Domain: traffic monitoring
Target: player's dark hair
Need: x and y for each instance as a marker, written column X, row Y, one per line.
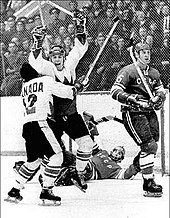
column 27, row 72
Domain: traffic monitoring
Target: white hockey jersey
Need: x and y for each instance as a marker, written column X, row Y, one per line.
column 37, row 97
column 45, row 67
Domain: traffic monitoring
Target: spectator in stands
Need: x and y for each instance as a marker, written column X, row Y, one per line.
column 10, row 28
column 154, row 31
column 113, row 41
column 3, row 63
column 165, row 63
column 21, row 31
column 55, row 21
column 97, row 80
column 106, row 23
column 68, row 44
column 141, row 22
column 11, row 84
column 23, row 19
column 156, row 10
column 73, row 6
column 37, row 20
column 58, row 40
column 165, row 21
column 30, row 24
column 62, row 32
column 3, row 12
column 119, row 58
column 26, row 49
column 145, row 7
column 119, row 7
column 17, row 41
column 71, row 30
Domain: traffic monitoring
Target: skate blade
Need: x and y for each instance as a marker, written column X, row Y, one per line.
column 13, row 200
column 149, row 194
column 77, row 185
column 49, row 203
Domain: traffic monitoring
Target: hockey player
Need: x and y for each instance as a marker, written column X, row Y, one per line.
column 37, row 96
column 62, row 69
column 138, row 112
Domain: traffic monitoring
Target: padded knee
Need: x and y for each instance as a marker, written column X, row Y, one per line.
column 85, row 143
column 150, row 147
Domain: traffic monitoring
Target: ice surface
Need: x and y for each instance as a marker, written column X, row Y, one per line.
column 103, row 199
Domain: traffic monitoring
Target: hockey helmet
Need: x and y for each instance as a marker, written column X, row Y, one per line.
column 118, row 153
column 27, row 72
column 142, row 46
column 57, row 50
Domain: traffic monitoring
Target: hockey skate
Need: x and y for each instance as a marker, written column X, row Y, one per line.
column 79, row 182
column 14, row 196
column 49, row 199
column 151, row 189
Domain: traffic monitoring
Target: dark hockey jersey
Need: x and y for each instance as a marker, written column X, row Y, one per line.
column 130, row 82
column 106, row 167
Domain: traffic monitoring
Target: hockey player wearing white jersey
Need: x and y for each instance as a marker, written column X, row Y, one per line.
column 39, row 138
column 62, row 69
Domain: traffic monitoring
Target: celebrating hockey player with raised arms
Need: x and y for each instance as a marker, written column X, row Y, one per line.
column 138, row 111
column 39, row 138
column 62, row 69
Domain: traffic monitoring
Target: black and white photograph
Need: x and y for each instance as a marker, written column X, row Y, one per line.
column 84, row 95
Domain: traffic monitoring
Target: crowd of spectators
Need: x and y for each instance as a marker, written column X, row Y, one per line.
column 148, row 20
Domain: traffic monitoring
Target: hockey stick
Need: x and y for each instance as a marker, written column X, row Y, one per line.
column 90, row 118
column 106, row 119
column 60, row 8
column 138, row 69
column 86, row 79
column 43, row 24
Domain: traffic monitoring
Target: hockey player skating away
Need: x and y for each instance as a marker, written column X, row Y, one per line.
column 62, row 69
column 39, row 138
column 138, row 112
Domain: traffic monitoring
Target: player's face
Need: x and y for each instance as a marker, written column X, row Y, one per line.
column 145, row 56
column 58, row 60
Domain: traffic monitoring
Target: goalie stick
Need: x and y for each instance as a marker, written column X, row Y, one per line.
column 86, row 79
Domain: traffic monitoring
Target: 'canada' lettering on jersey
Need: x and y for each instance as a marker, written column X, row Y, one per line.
column 37, row 97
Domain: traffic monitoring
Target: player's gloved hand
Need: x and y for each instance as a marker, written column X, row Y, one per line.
column 158, row 101
column 79, row 86
column 80, row 22
column 38, row 35
column 136, row 100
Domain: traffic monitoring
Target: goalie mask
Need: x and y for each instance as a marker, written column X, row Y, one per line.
column 117, row 154
column 57, row 56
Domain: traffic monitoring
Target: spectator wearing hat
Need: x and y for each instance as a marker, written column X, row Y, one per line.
column 55, row 21
column 37, row 20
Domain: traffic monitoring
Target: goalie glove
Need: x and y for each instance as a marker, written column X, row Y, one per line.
column 80, row 22
column 38, row 35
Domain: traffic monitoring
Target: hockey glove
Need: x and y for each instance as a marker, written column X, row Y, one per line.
column 80, row 22
column 38, row 35
column 78, row 86
column 158, row 101
column 136, row 101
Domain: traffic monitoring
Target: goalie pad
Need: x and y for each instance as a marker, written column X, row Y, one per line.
column 38, row 35
column 80, row 22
